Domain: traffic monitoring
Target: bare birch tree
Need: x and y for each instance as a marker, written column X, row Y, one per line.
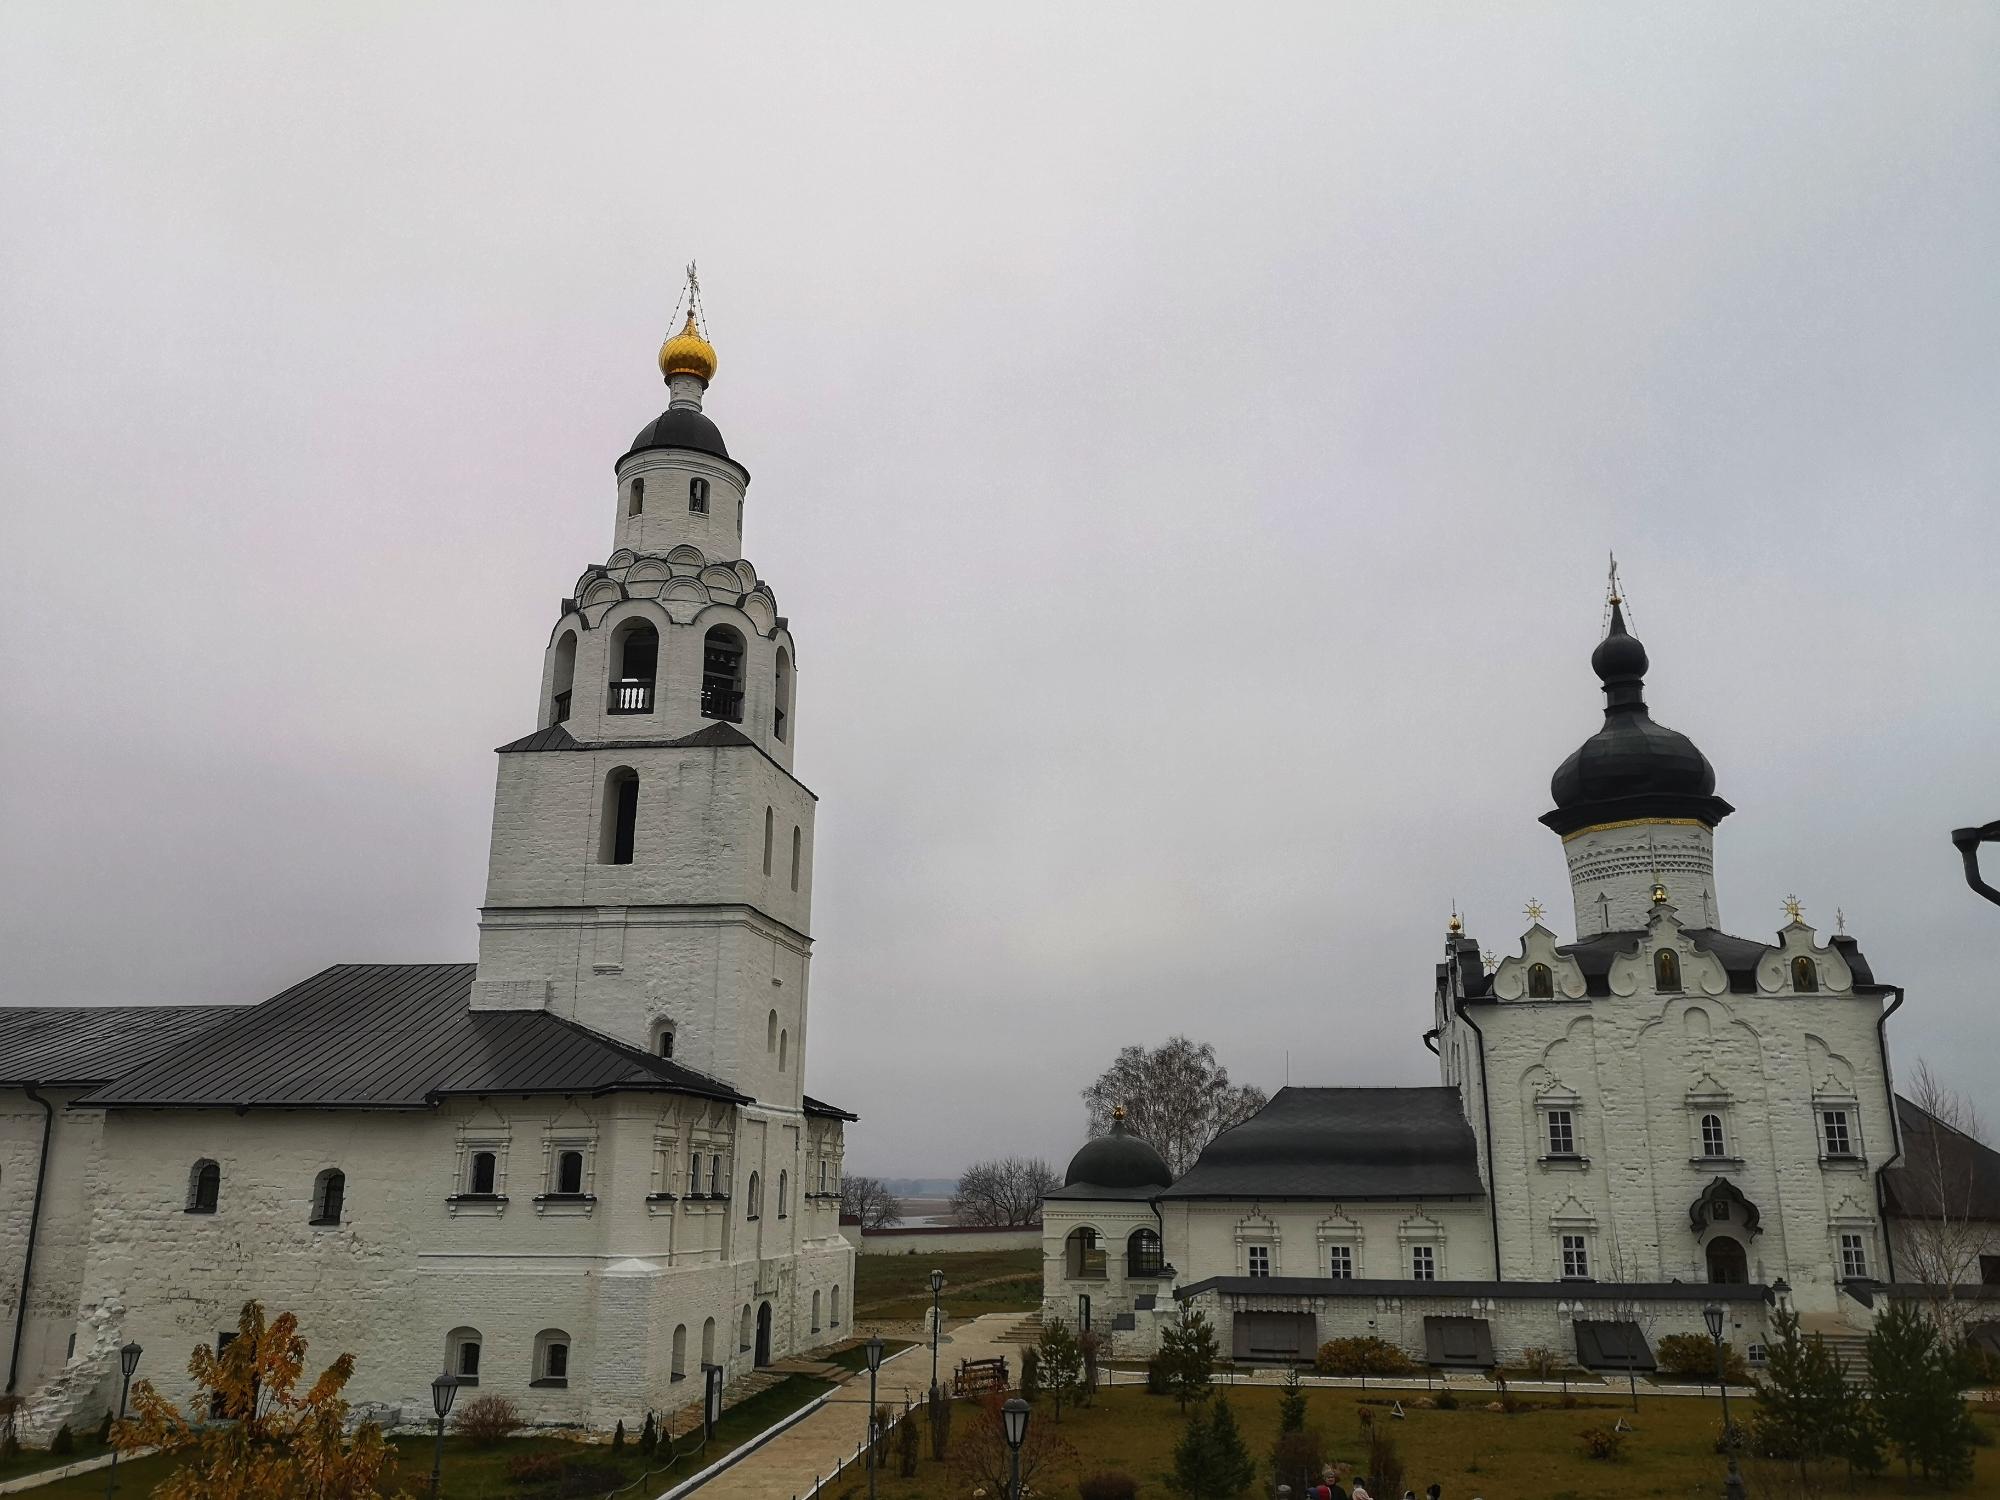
column 1177, row 1098
column 1942, row 1195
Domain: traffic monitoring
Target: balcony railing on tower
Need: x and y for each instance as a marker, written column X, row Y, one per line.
column 559, row 707
column 720, row 700
column 631, row 695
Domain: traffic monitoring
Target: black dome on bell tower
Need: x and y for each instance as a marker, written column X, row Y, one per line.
column 1632, row 767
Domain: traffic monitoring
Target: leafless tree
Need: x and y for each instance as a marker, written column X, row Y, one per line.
column 1006, row 1191
column 1176, row 1097
column 869, row 1200
column 1941, row 1193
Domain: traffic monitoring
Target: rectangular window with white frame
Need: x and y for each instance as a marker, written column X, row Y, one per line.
column 1260, row 1260
column 1575, row 1258
column 1340, row 1262
column 1836, row 1132
column 1423, row 1263
column 1562, row 1132
column 1853, row 1256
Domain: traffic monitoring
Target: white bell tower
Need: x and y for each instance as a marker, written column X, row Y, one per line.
column 651, row 868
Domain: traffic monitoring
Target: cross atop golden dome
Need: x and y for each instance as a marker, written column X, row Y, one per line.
column 688, row 352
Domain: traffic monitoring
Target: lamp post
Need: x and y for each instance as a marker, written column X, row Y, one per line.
column 1014, row 1427
column 128, row 1361
column 1967, row 841
column 1732, row 1487
column 937, row 1287
column 874, row 1364
column 443, row 1390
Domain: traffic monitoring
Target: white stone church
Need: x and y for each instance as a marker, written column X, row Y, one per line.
column 575, row 1173
column 1626, row 1127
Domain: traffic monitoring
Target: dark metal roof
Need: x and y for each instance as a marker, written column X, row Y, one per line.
column 826, row 1111
column 557, row 737
column 1117, row 1160
column 389, row 1036
column 87, row 1045
column 1459, row 1343
column 1087, row 1192
column 1612, row 1344
column 681, row 427
column 1342, row 1143
column 1589, row 1291
column 1941, row 1169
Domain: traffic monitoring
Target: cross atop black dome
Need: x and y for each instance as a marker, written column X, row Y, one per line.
column 1632, row 768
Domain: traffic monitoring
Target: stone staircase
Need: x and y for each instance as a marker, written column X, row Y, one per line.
column 1851, row 1349
column 1026, row 1332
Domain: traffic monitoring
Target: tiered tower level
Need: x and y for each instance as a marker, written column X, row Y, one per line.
column 651, row 870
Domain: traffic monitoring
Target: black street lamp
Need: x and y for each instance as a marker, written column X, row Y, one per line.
column 1968, row 841
column 937, row 1287
column 128, row 1361
column 1732, row 1487
column 443, row 1390
column 874, row 1364
column 1014, row 1427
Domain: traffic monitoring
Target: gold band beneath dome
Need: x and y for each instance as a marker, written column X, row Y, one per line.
column 1640, row 823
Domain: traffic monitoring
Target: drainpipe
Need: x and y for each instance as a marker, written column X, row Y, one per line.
column 1895, row 1125
column 1486, row 1114
column 34, row 1225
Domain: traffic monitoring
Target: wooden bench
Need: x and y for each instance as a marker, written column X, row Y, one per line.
column 975, row 1375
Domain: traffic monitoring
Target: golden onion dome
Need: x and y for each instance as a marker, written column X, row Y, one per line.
column 688, row 353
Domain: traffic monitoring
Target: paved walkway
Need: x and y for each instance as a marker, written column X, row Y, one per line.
column 793, row 1461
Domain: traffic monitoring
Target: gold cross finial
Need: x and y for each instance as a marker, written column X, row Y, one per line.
column 1491, row 960
column 1533, row 910
column 1840, row 921
column 1793, row 910
column 1117, row 1111
column 1659, row 894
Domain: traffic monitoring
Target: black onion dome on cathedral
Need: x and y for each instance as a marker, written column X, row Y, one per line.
column 681, row 427
column 1632, row 767
column 1118, row 1164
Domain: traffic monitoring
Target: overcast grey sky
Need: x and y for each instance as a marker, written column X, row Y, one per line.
column 1186, row 443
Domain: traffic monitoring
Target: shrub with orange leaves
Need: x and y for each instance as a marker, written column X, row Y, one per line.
column 254, row 1437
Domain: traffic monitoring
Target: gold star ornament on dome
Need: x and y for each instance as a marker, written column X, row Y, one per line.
column 1533, row 910
column 1793, row 910
column 1491, row 960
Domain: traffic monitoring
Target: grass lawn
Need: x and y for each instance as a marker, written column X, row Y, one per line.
column 1469, row 1451
column 855, row 1355
column 33, row 1459
column 975, row 1282
column 481, row 1473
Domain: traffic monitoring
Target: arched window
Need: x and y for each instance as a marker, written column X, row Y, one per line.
column 1713, row 1142
column 771, row 1032
column 781, row 696
column 784, row 1045
column 698, row 497
column 834, row 1304
column 1805, row 976
column 619, row 826
column 551, row 1358
column 1541, row 982
column 722, row 674
column 755, row 1201
column 746, row 1330
column 461, row 1354
column 784, row 1191
column 329, row 1196
column 679, row 1369
column 815, row 1327
column 798, row 847
column 663, row 1039
column 1081, row 1255
column 1667, row 971
column 770, row 822
column 1144, row 1255
column 565, row 677
column 635, row 662
column 708, row 1342
column 204, row 1187
column 635, row 496
column 483, row 1164
column 569, row 1173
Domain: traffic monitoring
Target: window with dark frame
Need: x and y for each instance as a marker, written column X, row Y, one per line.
column 329, row 1196
column 1260, row 1260
column 483, row 1173
column 1340, row 1262
column 1575, row 1258
column 1423, row 1263
column 204, row 1188
column 637, row 501
column 1834, row 1132
column 698, row 497
column 1853, row 1256
column 1713, row 1142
